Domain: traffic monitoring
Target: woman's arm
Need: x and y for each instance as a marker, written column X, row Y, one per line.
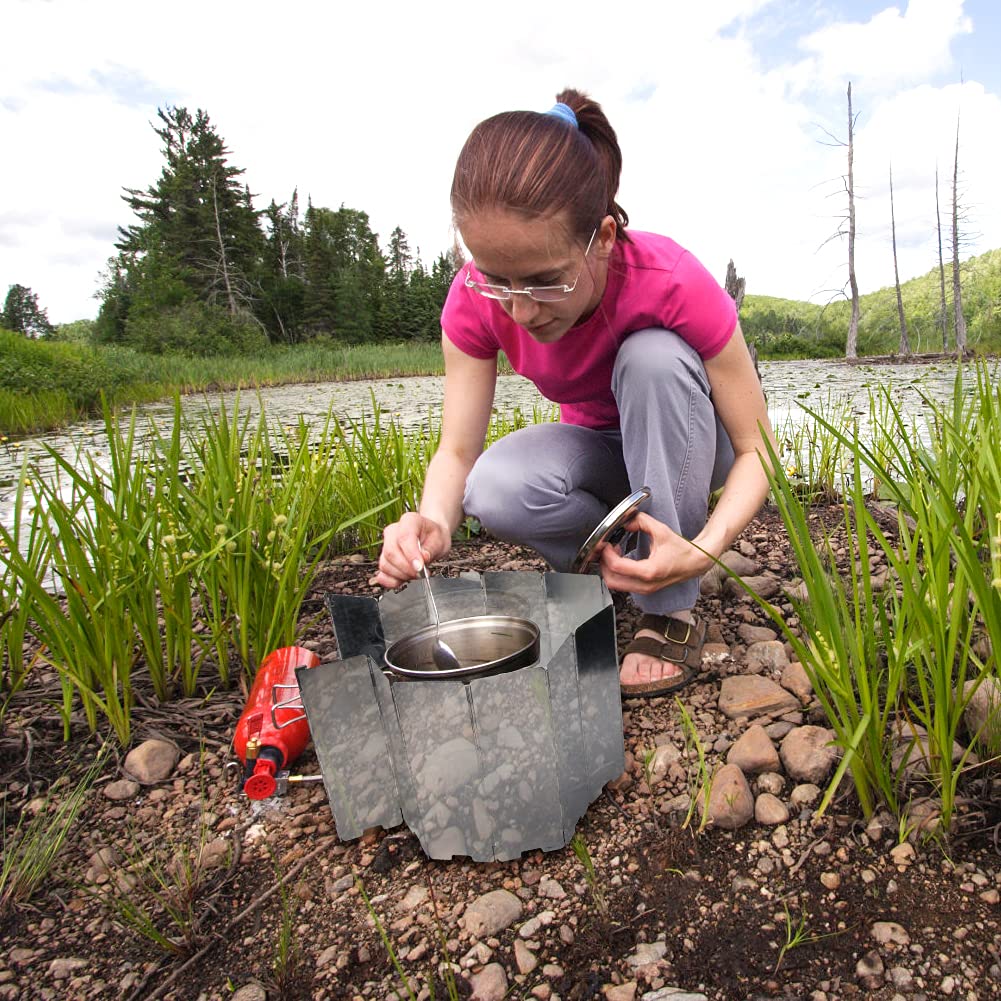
column 427, row 534
column 740, row 403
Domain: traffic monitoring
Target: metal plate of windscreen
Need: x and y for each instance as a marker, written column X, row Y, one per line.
column 610, row 529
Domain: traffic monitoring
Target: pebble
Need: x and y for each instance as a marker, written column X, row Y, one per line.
column 490, row 984
column 152, row 761
column 492, row 913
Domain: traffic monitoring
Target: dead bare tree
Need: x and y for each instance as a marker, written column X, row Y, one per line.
column 943, row 309
column 851, row 344
column 957, row 290
column 905, row 344
column 846, row 227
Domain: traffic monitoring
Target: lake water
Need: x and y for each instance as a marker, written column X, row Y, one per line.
column 791, row 386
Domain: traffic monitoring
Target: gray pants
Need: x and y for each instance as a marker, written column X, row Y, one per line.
column 548, row 485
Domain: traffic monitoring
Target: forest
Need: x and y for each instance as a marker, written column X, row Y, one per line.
column 202, row 271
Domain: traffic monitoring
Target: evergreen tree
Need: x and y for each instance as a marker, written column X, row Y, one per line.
column 22, row 314
column 197, row 222
column 283, row 282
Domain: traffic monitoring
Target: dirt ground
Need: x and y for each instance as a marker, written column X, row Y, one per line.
column 268, row 902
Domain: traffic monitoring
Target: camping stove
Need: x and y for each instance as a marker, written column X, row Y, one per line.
column 490, row 763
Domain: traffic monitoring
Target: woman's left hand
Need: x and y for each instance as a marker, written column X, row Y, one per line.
column 672, row 559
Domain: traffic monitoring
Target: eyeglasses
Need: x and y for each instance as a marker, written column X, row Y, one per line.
column 538, row 293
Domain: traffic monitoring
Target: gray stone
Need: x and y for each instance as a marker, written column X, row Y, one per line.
column 712, row 582
column 764, row 586
column 121, row 789
column 152, row 761
column 524, row 958
column 754, row 752
column 770, row 810
column 807, row 754
column 646, row 953
column 551, row 889
column 492, row 913
column 982, row 715
column 805, row 794
column 795, row 680
column 770, row 782
column 65, row 966
column 750, row 696
column 755, row 634
column 490, row 984
column 251, row 992
column 885, row 932
column 731, row 804
column 769, row 655
column 672, row 994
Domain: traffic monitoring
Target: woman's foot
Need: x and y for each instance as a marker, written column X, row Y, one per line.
column 664, row 656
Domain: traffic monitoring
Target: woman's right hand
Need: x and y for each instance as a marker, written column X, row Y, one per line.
column 407, row 545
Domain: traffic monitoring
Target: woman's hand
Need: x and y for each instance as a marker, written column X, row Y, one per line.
column 672, row 559
column 407, row 545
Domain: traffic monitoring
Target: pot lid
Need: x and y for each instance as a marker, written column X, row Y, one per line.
column 609, row 529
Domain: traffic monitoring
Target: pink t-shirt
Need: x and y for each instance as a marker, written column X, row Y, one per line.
column 652, row 282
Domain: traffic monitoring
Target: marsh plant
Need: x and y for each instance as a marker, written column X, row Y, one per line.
column 700, row 778
column 894, row 663
column 29, row 852
column 579, row 847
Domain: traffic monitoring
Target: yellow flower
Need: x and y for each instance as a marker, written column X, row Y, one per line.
column 169, row 540
column 231, row 546
column 280, row 520
column 220, row 530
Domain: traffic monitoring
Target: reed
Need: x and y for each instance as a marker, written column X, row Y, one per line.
column 895, row 667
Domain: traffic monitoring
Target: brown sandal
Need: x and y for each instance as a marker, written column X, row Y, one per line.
column 679, row 643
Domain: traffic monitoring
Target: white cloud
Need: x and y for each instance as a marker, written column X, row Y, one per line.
column 368, row 105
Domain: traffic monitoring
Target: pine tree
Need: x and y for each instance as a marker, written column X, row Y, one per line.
column 22, row 314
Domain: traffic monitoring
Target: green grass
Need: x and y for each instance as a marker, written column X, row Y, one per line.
column 49, row 384
column 890, row 664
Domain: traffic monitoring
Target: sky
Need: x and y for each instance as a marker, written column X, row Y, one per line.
column 729, row 114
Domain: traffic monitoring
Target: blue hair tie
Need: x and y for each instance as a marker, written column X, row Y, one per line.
column 565, row 112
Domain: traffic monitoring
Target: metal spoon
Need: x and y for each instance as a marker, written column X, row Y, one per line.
column 441, row 653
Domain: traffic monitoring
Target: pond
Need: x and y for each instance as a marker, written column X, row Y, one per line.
column 790, row 385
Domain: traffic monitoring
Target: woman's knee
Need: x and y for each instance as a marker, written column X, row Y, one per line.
column 656, row 359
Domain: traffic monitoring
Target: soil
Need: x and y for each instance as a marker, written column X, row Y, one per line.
column 273, row 901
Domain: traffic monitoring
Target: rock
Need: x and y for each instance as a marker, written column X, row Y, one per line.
column 492, row 913
column 251, row 992
column 121, row 789
column 531, row 927
column 551, row 889
column 795, row 680
column 769, row 655
column 807, row 755
column 869, row 969
column 672, row 994
column 64, row 967
column 647, row 953
column 731, row 804
column 903, row 854
column 152, row 761
column 885, row 932
column 413, row 899
column 764, row 586
column 755, row 634
column 620, row 992
column 770, row 782
column 770, row 810
column 712, row 581
column 805, row 794
column 830, row 880
column 524, row 958
column 664, row 756
column 490, row 984
column 215, row 853
column 750, row 696
column 754, row 752
column 982, row 715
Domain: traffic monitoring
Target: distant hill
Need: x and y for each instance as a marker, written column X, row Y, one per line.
column 788, row 328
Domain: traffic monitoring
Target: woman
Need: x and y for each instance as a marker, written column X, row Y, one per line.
column 640, row 347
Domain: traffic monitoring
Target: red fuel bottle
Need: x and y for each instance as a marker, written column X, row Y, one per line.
column 263, row 747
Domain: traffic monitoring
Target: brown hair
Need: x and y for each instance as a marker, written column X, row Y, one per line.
column 539, row 164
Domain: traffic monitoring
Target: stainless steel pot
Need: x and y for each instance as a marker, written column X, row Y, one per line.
column 484, row 644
